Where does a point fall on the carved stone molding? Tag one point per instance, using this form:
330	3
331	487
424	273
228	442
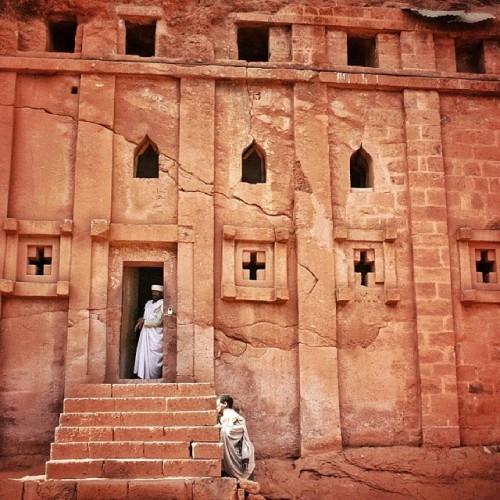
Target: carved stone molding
368	258
254	264
479	257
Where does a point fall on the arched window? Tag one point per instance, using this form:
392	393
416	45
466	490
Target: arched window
361	174
253	164
146	160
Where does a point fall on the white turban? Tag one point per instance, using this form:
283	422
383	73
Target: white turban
158	288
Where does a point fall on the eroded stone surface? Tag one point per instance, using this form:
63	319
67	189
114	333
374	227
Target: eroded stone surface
409	357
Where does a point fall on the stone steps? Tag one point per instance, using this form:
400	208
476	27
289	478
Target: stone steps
111	468
137	431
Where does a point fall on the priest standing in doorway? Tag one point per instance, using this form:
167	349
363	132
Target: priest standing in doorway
149	354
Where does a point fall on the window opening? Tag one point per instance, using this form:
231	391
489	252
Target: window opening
39	260
253	165
254	265
363	266
62	34
469	57
74	90
486	266
360	169
361	51
147	161
253	44
140	39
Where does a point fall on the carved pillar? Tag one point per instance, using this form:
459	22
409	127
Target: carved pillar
319	398
432	278
86	346
7	101
195	331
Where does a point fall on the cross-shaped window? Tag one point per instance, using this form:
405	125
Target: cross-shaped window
363	265
39	260
486	266
254	265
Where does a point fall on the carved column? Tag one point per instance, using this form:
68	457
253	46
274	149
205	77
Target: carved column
432	277
7	102
86	347
319	397
195	331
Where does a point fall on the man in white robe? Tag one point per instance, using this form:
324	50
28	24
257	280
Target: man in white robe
149	354
239	457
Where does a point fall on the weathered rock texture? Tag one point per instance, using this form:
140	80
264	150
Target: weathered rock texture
347	296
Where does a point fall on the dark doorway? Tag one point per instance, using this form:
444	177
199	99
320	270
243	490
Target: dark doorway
136	291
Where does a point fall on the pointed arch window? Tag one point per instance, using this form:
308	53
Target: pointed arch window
253	162
147	160
361	169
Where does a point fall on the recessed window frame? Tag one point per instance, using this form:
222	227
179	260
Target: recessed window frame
140	152
250	172
361	164
469	57
58	29
253	43
362	51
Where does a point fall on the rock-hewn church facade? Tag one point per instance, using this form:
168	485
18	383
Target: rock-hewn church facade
316	185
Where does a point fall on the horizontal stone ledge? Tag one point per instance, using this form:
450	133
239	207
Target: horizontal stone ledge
442	84
131	65
33	289
350	77
385	20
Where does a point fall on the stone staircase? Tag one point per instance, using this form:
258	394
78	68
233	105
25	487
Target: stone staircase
137	431
137	441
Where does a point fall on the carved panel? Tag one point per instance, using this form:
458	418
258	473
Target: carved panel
254	264
479	256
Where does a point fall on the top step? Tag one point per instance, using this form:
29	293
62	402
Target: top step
142	389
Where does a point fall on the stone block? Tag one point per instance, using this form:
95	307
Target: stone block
132	469
171	450
222	488
67	451
116	449
138	433
62	288
138	419
88	390
35	489
191	468
191	403
208	434
11	489
68	434
6	286
139	404
102	488
73	405
207	450
198	389
74	469
172	489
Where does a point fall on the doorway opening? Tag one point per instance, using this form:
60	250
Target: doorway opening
136	291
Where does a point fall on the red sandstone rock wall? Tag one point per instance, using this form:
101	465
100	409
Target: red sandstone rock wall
470	131
360	369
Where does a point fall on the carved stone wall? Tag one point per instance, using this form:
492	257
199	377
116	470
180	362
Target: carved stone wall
345	291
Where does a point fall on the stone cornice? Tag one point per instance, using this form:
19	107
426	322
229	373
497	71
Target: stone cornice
369	78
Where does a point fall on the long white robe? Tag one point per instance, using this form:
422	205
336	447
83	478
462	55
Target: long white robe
149	354
237	444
